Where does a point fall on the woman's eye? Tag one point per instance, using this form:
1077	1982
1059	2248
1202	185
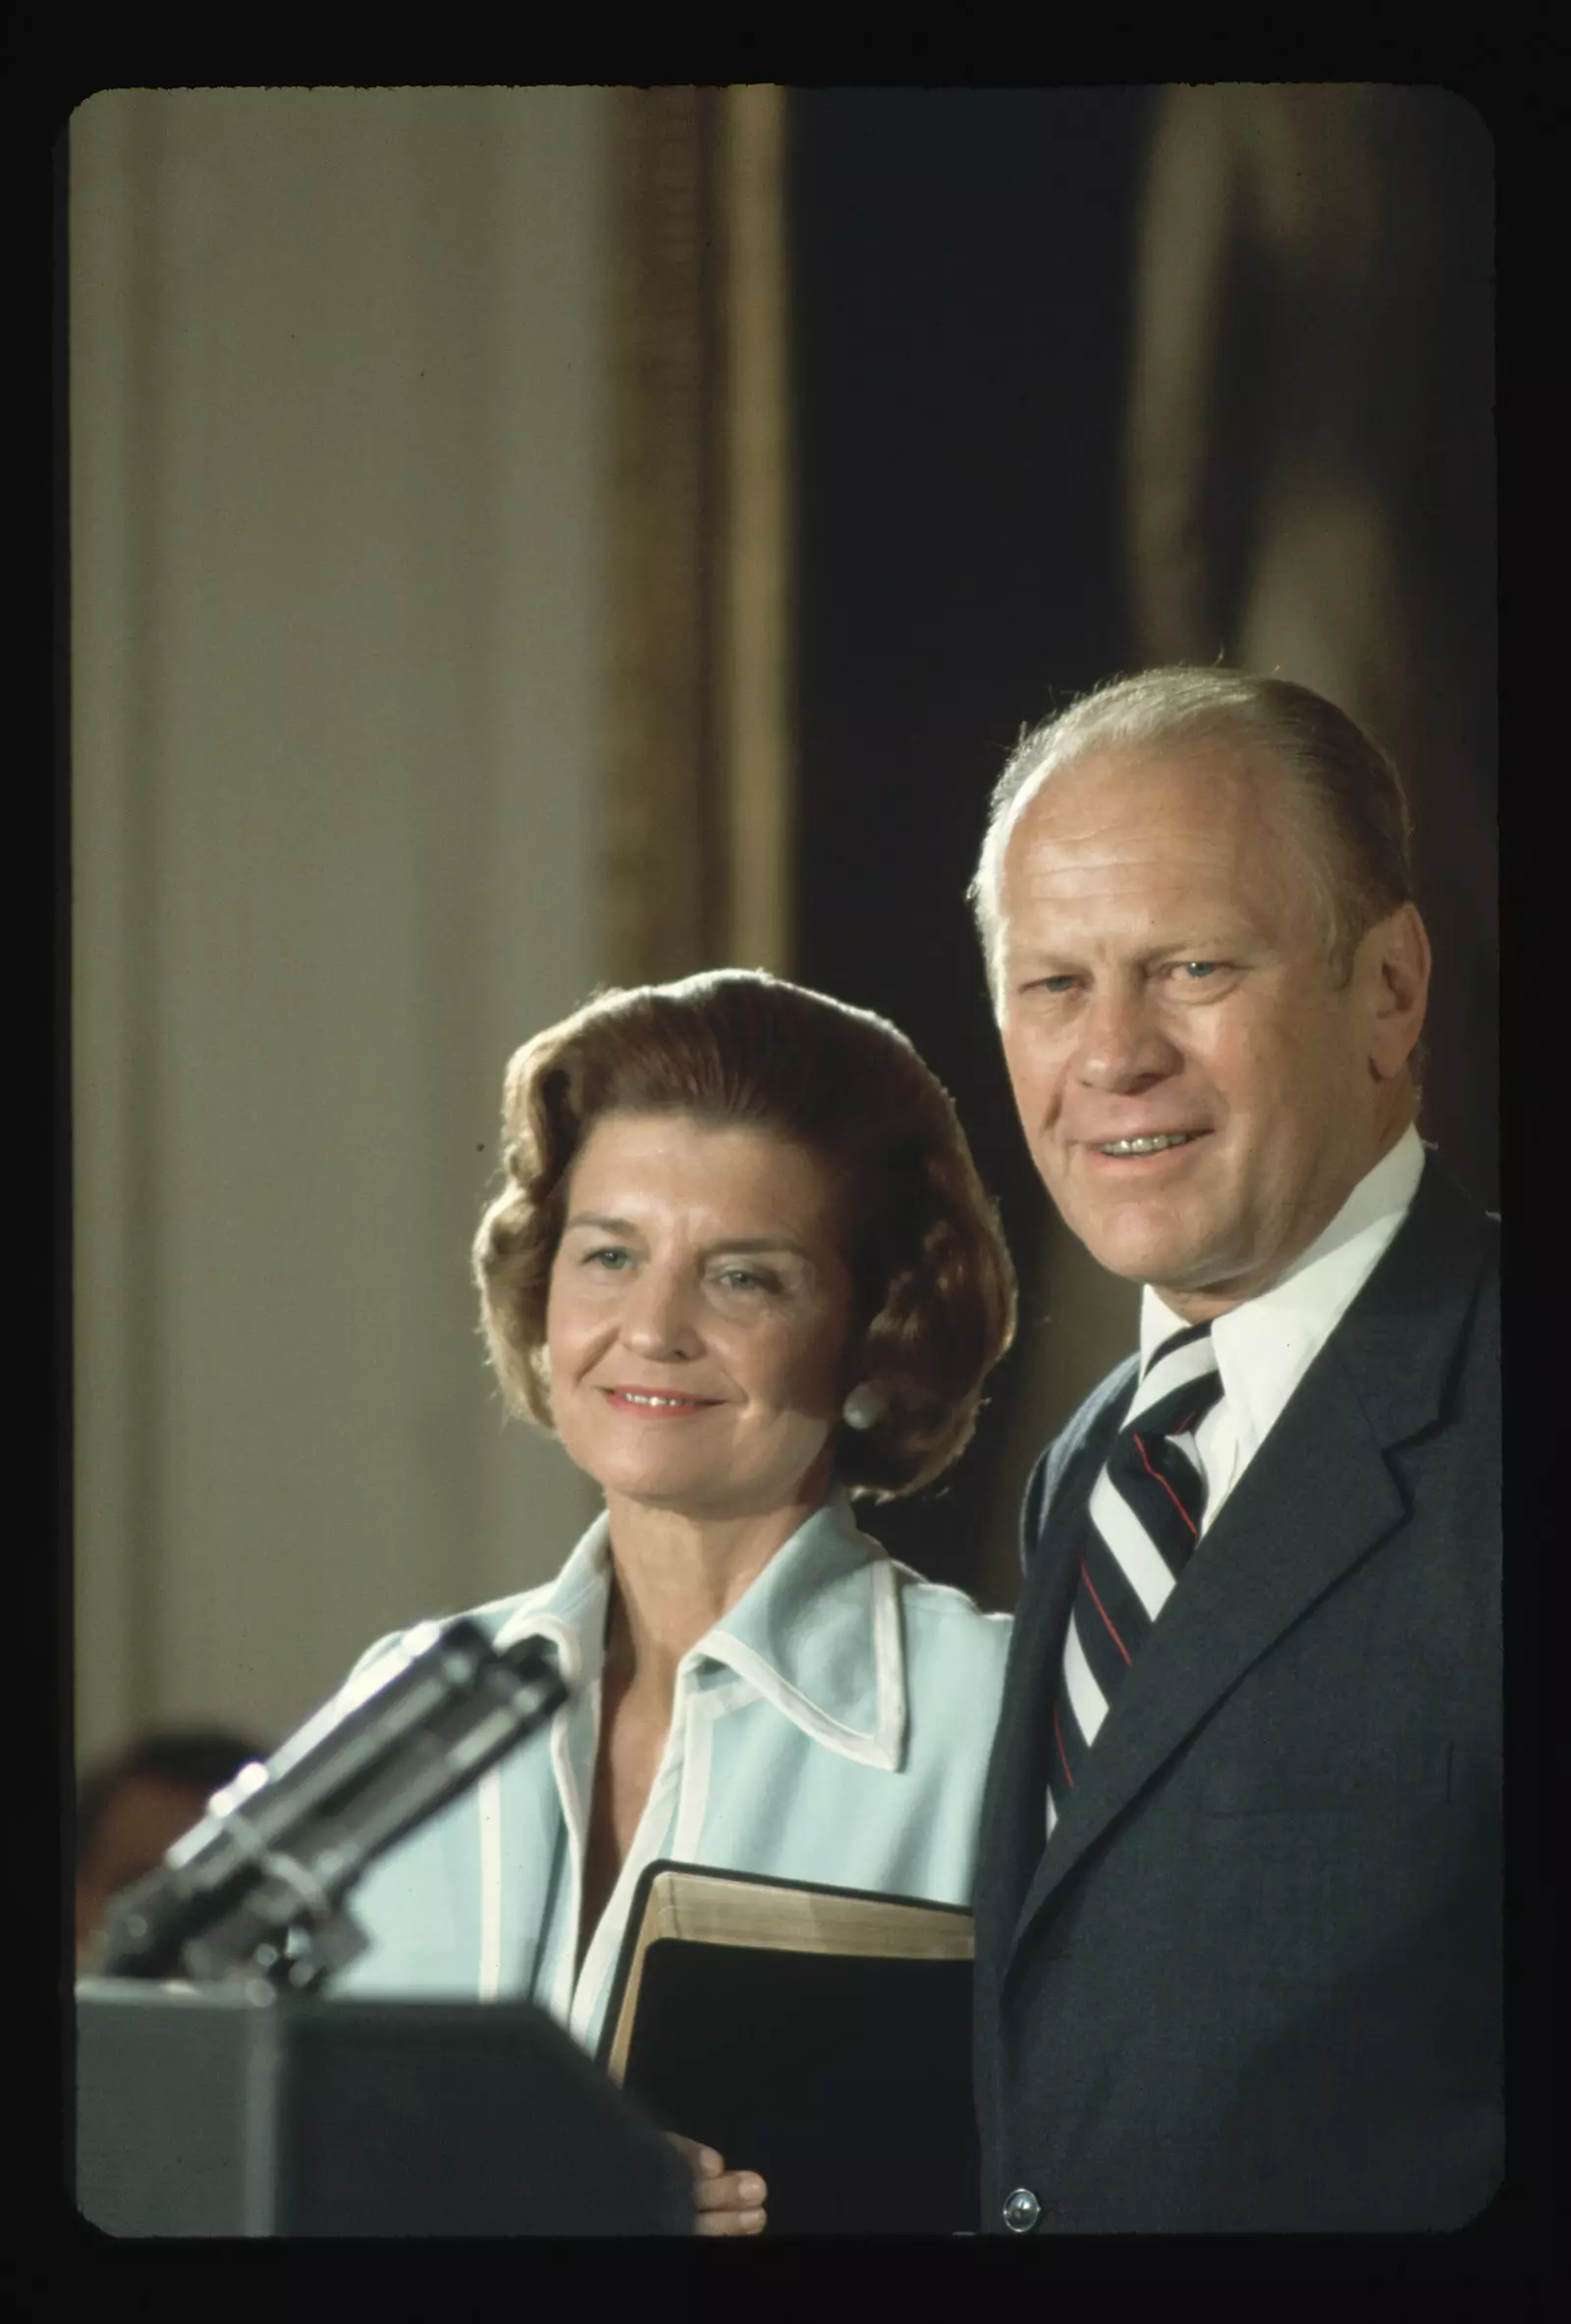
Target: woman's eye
611	1259
740	1278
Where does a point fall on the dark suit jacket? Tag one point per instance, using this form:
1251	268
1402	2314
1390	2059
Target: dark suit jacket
1254	1980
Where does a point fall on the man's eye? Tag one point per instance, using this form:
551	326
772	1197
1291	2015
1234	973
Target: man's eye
1051	984
740	1278
609	1257
1194	970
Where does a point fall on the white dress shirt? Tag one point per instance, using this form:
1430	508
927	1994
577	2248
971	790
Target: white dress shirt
1265	1346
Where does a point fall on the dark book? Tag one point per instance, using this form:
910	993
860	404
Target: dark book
819	2036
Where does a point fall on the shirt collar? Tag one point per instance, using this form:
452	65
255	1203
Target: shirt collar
570	1611
1265	1346
817	1634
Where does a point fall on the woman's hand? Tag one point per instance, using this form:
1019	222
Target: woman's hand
725	2202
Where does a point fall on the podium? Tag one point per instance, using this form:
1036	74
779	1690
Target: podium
237	2110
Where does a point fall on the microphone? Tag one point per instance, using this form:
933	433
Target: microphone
258	1885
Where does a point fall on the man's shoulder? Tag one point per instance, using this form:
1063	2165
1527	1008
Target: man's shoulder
1097	1410
1082	1434
1431	1302
1417	1346
1447	1229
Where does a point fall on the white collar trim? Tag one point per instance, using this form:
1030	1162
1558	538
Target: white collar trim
570	1613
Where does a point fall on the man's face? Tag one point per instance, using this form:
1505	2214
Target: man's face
1164	979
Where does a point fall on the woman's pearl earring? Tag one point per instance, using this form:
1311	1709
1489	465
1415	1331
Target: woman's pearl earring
865	1406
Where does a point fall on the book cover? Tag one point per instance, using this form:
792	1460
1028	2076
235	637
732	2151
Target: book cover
819	2036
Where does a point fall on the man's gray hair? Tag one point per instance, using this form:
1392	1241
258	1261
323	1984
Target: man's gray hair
1358	812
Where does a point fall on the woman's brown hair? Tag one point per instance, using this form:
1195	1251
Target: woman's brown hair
935	1288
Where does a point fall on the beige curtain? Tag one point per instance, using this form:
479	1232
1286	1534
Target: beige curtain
430	487
339	408
699	826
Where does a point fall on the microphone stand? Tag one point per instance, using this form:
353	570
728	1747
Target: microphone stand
258	1888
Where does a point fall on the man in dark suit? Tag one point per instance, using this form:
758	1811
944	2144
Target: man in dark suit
1238	1942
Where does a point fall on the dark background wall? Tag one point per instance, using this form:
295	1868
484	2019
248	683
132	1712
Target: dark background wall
962	270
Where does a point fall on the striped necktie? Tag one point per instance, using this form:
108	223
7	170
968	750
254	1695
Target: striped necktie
1141	1525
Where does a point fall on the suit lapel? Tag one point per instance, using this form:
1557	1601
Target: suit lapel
1270	1556
1014	1803
1316	1498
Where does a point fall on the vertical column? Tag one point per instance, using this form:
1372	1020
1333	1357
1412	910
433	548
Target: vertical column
337	420
757	602
698	833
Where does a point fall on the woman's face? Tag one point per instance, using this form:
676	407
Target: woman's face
699	1316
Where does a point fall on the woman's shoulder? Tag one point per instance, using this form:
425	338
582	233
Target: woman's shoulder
493	1617
956	1657
934	1609
938	1611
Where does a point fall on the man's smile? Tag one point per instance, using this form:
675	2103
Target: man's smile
1156	1142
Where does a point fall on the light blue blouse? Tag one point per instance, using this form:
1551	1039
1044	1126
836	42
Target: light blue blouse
835	1726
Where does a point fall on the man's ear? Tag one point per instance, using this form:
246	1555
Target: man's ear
1393	977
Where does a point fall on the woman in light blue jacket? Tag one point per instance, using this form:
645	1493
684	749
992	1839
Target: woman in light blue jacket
743	1267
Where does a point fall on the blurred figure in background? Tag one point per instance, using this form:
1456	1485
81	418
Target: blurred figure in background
1311	470
133	1808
